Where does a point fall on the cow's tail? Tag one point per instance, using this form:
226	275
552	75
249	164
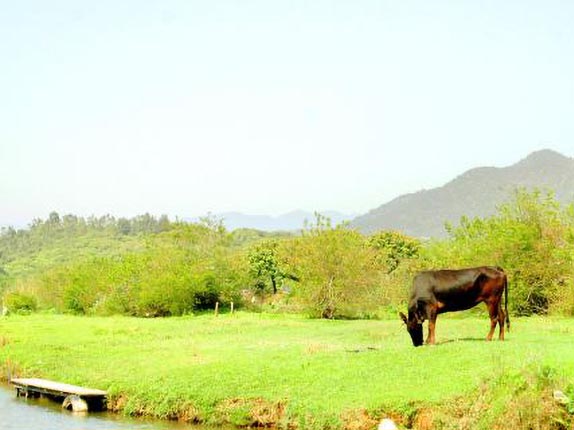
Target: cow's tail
506	303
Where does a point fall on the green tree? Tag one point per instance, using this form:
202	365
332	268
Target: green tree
338	273
124	226
265	265
393	247
53	219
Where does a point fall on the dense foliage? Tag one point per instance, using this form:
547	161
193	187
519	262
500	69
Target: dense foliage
149	266
338	272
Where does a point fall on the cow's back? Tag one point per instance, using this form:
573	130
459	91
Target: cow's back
451	286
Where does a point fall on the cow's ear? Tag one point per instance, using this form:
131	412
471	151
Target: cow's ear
403	317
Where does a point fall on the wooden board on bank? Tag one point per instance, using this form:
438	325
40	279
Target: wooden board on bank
45	386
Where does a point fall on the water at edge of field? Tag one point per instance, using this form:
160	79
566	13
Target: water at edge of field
19	413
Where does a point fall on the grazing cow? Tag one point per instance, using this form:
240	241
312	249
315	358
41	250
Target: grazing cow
436	291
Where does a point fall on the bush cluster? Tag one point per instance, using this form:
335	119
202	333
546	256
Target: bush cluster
188	268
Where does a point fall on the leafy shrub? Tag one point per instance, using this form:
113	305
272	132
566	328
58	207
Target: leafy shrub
338	273
394	247
20	302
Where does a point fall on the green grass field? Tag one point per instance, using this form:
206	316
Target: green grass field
283	370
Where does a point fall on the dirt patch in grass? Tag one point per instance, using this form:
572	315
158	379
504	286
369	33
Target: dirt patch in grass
117	403
250	412
191	414
358	419
424	419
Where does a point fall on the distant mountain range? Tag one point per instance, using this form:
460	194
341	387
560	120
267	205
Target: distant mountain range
475	193
290	221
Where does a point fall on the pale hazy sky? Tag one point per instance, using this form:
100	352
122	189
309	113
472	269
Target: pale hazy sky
185	107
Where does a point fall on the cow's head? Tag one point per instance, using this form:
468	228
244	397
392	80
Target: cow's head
414	327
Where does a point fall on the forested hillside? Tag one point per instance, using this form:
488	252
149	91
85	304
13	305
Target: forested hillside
62	239
154	267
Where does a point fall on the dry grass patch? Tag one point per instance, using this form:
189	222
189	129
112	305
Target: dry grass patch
358	419
250	412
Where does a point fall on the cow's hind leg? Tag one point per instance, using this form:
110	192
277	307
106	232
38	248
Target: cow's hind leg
494	313
501	316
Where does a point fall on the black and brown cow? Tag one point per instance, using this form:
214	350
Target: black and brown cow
437	291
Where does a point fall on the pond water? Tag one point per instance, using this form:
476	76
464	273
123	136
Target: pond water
18	413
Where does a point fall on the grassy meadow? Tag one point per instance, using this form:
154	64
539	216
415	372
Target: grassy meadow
288	371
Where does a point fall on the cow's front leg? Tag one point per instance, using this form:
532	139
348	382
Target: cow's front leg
432	324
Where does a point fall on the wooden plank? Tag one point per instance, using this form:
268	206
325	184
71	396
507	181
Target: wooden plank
52	387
